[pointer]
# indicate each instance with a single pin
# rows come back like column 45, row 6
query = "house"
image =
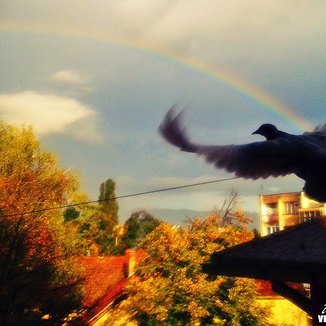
column 284, row 210
column 105, row 280
column 296, row 254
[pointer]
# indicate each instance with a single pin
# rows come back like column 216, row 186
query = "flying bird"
column 279, row 155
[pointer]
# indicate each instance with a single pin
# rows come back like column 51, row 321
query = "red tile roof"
column 102, row 274
column 105, row 279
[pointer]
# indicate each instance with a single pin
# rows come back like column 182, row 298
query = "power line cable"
column 122, row 196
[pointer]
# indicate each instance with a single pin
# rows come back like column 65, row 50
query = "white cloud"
column 183, row 24
column 68, row 77
column 50, row 114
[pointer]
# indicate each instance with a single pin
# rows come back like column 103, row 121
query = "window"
column 308, row 215
column 269, row 213
column 291, row 207
column 272, row 229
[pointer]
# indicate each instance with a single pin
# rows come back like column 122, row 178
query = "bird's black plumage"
column 280, row 154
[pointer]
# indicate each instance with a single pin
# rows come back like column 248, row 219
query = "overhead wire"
column 143, row 193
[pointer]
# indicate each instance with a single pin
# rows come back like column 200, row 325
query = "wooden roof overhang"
column 294, row 255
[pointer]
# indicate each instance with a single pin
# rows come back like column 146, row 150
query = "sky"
column 95, row 79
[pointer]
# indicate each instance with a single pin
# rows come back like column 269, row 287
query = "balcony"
column 270, row 219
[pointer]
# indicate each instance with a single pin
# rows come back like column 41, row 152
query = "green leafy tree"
column 108, row 204
column 37, row 273
column 170, row 289
column 108, row 217
column 89, row 230
column 88, row 221
column 138, row 225
column 85, row 222
column 70, row 214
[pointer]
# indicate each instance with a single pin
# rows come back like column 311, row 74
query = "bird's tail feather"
column 171, row 129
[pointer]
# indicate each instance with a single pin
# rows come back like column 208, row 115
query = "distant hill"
column 180, row 216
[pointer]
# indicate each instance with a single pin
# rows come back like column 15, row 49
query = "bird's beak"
column 255, row 132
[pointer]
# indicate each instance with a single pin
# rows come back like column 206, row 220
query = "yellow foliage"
column 33, row 240
column 169, row 287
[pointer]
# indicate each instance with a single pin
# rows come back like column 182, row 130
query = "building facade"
column 281, row 211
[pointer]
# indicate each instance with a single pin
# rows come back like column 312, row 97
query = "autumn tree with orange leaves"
column 170, row 288
column 37, row 274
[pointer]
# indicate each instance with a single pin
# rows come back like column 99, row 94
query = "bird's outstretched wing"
column 320, row 129
column 255, row 160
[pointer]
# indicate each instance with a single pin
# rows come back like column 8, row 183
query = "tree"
column 92, row 237
column 70, row 214
column 37, row 274
column 138, row 225
column 109, row 204
column 89, row 222
column 227, row 212
column 108, row 217
column 170, row 289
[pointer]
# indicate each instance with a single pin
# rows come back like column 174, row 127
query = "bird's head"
column 267, row 130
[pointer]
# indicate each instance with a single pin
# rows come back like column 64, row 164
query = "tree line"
column 40, row 280
column 39, row 246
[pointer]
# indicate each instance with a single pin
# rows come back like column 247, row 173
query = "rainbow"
column 232, row 81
